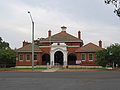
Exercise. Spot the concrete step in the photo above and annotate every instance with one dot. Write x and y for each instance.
(51, 70)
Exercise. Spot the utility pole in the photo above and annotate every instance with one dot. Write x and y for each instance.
(32, 40)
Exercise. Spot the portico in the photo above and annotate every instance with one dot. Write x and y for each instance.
(58, 54)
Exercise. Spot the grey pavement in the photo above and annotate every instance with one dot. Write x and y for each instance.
(103, 80)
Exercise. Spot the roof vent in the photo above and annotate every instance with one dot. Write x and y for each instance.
(63, 28)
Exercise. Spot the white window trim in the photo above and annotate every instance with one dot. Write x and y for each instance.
(26, 58)
(22, 58)
(92, 57)
(81, 57)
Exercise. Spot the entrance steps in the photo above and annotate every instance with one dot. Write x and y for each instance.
(51, 70)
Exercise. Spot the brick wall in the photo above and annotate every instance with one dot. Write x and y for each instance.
(87, 61)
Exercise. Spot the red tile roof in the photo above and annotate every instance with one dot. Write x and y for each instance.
(90, 47)
(62, 37)
(28, 48)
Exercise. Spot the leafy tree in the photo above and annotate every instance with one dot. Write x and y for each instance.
(7, 58)
(114, 49)
(102, 57)
(3, 44)
(109, 55)
(37, 42)
(116, 4)
(0, 39)
(7, 55)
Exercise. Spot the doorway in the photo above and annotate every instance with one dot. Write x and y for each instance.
(58, 58)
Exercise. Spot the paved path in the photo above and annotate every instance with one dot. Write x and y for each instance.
(51, 70)
(60, 80)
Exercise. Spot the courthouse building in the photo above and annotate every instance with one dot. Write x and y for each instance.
(61, 48)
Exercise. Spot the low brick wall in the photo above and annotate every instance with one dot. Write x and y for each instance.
(70, 66)
(78, 66)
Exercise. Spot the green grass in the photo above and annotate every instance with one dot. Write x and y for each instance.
(19, 68)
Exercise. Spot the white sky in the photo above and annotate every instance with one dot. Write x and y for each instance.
(93, 18)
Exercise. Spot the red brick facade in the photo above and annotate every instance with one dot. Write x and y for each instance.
(74, 48)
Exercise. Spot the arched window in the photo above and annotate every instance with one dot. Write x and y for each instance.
(45, 59)
(72, 59)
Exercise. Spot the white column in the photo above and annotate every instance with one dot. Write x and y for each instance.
(65, 58)
(51, 58)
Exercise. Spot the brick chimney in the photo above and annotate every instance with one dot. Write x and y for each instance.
(25, 43)
(100, 43)
(49, 33)
(79, 34)
(63, 28)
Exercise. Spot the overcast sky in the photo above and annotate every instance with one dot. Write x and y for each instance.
(93, 18)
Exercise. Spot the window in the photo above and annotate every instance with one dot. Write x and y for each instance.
(90, 57)
(82, 56)
(28, 57)
(35, 57)
(21, 57)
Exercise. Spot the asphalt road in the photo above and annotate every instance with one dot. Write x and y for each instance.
(104, 80)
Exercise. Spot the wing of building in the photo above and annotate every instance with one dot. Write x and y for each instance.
(61, 48)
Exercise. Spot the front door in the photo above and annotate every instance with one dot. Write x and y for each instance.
(58, 58)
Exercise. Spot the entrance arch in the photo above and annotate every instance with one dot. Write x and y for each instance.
(72, 59)
(61, 47)
(58, 58)
(45, 59)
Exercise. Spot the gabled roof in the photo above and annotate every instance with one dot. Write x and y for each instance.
(62, 37)
(28, 48)
(90, 47)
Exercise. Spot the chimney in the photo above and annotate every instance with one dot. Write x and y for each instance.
(100, 43)
(25, 43)
(49, 33)
(79, 34)
(63, 28)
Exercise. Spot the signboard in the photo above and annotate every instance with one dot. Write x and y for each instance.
(78, 62)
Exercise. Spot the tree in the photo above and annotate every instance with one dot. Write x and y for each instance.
(3, 44)
(38, 41)
(7, 58)
(109, 55)
(0, 39)
(7, 55)
(102, 57)
(114, 49)
(116, 4)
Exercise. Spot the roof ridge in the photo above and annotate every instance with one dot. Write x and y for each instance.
(90, 43)
(28, 48)
(73, 36)
(89, 47)
(62, 36)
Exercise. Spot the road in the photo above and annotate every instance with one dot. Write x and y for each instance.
(103, 80)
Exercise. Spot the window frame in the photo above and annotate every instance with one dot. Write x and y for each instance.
(20, 57)
(36, 57)
(27, 57)
(84, 56)
(90, 58)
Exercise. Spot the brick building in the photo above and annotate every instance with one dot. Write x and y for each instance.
(61, 48)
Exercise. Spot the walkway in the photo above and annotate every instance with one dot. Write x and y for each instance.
(51, 70)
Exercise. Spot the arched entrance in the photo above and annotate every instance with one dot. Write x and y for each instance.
(58, 58)
(72, 59)
(45, 59)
